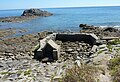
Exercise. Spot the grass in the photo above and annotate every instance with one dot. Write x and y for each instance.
(19, 72)
(118, 49)
(114, 42)
(4, 73)
(27, 72)
(109, 46)
(80, 74)
(114, 67)
(100, 52)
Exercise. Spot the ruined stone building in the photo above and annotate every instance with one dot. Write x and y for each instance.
(50, 51)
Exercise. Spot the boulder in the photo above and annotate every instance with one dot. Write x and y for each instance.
(110, 29)
(36, 12)
(82, 25)
(87, 27)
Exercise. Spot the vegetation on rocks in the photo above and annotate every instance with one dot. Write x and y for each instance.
(80, 74)
(114, 66)
(114, 42)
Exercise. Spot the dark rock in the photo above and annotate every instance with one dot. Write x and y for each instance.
(36, 12)
(110, 29)
(82, 25)
(86, 27)
(1, 66)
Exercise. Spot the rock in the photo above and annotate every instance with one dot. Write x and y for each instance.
(70, 50)
(110, 29)
(78, 58)
(94, 48)
(100, 42)
(56, 78)
(36, 12)
(86, 27)
(82, 25)
(118, 45)
(102, 46)
(78, 63)
(46, 59)
(1, 66)
(100, 32)
(104, 49)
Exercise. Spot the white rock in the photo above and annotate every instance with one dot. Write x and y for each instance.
(78, 63)
(102, 46)
(94, 48)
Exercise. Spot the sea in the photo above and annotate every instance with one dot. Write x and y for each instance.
(66, 19)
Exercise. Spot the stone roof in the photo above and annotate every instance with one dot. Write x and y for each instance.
(53, 44)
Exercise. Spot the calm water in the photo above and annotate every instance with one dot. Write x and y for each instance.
(66, 18)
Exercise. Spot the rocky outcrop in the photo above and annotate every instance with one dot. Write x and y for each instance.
(28, 14)
(36, 12)
(100, 32)
(85, 27)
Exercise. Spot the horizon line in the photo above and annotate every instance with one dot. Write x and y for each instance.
(66, 7)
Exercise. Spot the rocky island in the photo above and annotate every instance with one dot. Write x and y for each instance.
(28, 14)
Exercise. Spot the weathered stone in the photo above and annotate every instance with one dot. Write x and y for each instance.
(102, 46)
(94, 48)
(78, 63)
(70, 50)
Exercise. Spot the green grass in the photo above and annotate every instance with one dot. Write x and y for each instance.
(19, 72)
(118, 49)
(80, 74)
(114, 67)
(4, 73)
(114, 42)
(109, 46)
(100, 52)
(27, 72)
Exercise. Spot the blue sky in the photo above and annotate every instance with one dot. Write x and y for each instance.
(23, 4)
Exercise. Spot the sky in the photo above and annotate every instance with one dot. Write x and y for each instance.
(25, 4)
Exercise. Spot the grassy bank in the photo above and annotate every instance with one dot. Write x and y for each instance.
(80, 74)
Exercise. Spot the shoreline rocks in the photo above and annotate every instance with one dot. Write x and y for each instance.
(100, 32)
(17, 18)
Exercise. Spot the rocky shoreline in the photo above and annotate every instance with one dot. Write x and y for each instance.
(100, 32)
(17, 63)
(17, 18)
(28, 14)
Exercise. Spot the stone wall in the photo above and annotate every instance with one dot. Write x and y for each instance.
(87, 38)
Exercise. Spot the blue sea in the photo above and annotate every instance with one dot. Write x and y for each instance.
(66, 18)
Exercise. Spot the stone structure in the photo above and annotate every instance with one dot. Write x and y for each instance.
(50, 51)
(87, 38)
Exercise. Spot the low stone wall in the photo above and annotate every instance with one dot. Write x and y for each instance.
(87, 38)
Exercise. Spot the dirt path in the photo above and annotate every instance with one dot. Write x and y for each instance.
(101, 61)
